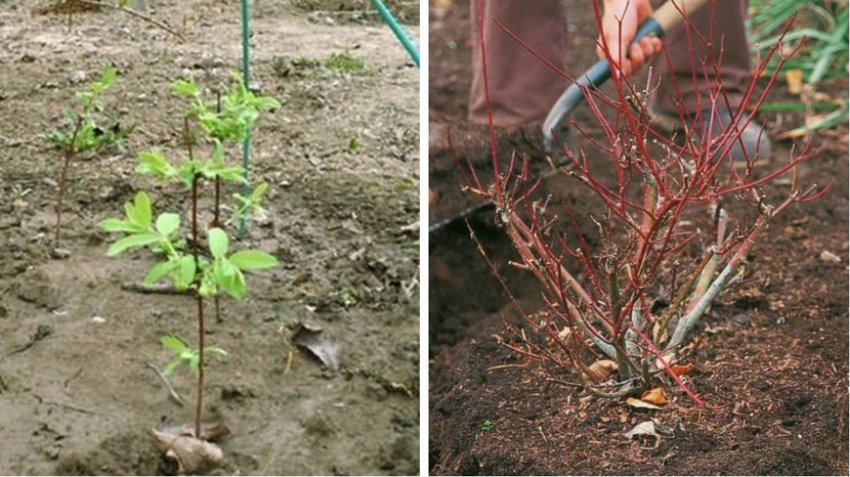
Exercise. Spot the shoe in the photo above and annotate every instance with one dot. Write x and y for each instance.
(754, 139)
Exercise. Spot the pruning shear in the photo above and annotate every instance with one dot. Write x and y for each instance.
(667, 16)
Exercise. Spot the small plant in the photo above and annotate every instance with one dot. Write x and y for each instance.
(346, 63)
(185, 355)
(205, 272)
(354, 144)
(486, 425)
(82, 132)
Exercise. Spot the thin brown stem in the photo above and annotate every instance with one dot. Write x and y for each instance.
(199, 407)
(217, 211)
(200, 299)
(69, 153)
(137, 14)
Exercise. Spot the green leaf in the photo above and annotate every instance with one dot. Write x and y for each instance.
(152, 162)
(185, 88)
(218, 242)
(266, 102)
(226, 173)
(253, 260)
(234, 284)
(167, 224)
(188, 171)
(194, 361)
(227, 277)
(226, 269)
(160, 270)
(174, 344)
(108, 75)
(258, 193)
(115, 225)
(139, 212)
(137, 240)
(187, 271)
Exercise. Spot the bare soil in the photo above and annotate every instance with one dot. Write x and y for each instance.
(772, 358)
(341, 158)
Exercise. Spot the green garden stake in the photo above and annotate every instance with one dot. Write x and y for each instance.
(246, 78)
(390, 20)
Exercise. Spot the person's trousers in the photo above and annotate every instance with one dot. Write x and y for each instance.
(523, 87)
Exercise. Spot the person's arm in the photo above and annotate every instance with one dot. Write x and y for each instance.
(620, 20)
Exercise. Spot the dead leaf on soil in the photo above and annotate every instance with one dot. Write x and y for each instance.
(179, 445)
(600, 370)
(562, 336)
(794, 78)
(655, 396)
(637, 403)
(310, 338)
(645, 428)
(682, 370)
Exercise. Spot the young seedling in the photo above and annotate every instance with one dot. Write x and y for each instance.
(185, 355)
(205, 272)
(81, 132)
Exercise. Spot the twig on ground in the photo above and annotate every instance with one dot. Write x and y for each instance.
(161, 289)
(75, 376)
(136, 14)
(41, 332)
(410, 286)
(565, 383)
(289, 357)
(171, 392)
(71, 407)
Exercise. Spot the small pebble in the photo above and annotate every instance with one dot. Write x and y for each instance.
(98, 320)
(828, 256)
(78, 77)
(61, 253)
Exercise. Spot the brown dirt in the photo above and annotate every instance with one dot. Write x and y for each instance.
(80, 399)
(773, 369)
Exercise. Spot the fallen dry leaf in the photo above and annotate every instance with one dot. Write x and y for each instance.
(562, 336)
(682, 370)
(637, 403)
(655, 396)
(645, 428)
(432, 196)
(814, 119)
(310, 338)
(186, 453)
(601, 369)
(794, 78)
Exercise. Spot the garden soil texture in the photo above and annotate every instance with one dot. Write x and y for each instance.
(771, 360)
(341, 159)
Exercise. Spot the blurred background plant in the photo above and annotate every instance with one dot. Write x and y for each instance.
(820, 30)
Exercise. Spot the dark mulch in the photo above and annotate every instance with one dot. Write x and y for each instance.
(773, 355)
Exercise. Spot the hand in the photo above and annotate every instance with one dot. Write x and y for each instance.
(620, 20)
